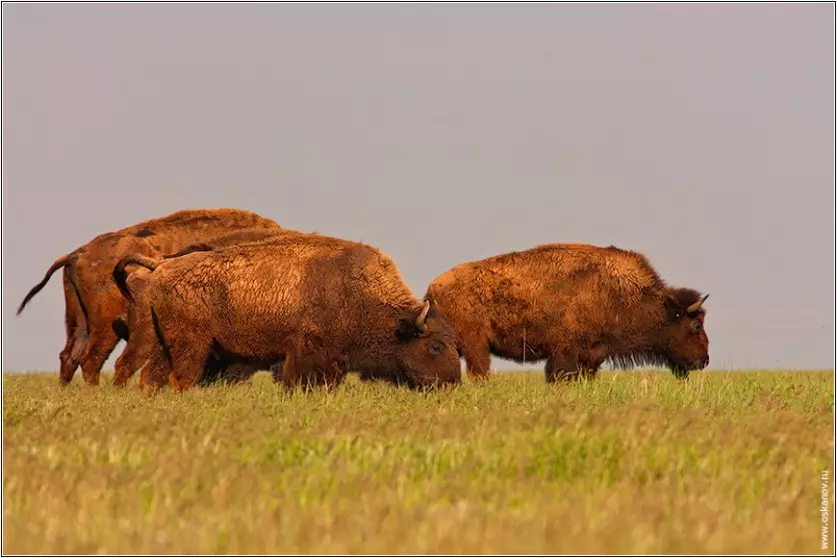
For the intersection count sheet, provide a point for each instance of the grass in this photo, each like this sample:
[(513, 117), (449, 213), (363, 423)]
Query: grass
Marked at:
[(629, 463)]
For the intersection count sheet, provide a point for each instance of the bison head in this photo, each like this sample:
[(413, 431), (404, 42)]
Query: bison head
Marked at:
[(684, 344), (427, 349)]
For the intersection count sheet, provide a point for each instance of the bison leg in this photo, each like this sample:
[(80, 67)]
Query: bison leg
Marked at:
[(230, 372), (100, 344), (299, 370), (561, 367), (70, 356), (477, 360), (594, 360), (331, 375), (301, 366), (154, 375), (239, 372), (276, 372), (569, 366), (76, 327), (131, 359), (588, 369), (188, 363), (138, 346), (182, 367), (213, 369), (291, 372), (294, 369)]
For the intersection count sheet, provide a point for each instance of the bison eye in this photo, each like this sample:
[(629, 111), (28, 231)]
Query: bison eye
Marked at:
[(437, 347)]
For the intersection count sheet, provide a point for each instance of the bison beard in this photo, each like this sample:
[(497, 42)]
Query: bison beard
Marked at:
[(575, 305), (323, 305), (95, 313)]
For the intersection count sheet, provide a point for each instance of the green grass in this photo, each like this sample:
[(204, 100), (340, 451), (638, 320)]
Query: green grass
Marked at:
[(631, 462)]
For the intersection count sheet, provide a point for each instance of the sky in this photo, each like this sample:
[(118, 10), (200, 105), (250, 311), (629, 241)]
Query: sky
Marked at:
[(701, 135)]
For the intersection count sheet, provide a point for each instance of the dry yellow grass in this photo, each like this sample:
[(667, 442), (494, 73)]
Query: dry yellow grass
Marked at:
[(630, 463)]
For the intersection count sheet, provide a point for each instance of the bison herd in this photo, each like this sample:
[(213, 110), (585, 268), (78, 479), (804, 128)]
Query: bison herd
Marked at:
[(214, 295)]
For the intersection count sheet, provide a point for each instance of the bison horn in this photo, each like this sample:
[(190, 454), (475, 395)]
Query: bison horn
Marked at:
[(423, 316), (696, 306)]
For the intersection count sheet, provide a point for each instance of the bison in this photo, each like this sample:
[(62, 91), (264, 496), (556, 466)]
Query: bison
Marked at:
[(138, 318), (322, 305), (95, 312), (575, 305)]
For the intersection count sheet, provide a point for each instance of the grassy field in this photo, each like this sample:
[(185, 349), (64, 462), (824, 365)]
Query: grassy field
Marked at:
[(632, 462)]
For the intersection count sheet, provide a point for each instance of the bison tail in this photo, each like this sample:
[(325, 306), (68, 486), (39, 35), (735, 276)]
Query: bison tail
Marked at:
[(120, 275), (64, 260), (188, 250), (158, 331)]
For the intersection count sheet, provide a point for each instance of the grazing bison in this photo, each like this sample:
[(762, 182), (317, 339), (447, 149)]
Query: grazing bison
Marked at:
[(95, 310), (321, 304), (574, 305), (138, 317)]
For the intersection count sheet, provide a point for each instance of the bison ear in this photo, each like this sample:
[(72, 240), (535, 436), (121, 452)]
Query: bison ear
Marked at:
[(673, 308), (407, 330)]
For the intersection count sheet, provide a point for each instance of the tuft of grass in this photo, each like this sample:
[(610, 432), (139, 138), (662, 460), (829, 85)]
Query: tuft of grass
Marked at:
[(728, 462)]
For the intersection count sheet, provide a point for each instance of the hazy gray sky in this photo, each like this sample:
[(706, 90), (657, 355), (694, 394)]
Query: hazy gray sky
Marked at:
[(701, 135)]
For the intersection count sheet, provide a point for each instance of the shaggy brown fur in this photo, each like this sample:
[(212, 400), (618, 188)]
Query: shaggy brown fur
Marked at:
[(95, 312), (322, 304), (574, 305), (139, 344)]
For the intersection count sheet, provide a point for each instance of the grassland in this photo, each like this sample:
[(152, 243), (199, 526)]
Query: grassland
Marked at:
[(632, 462)]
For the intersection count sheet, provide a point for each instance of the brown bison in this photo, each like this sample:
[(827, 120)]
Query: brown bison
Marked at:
[(138, 317), (95, 313), (322, 305), (574, 305)]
